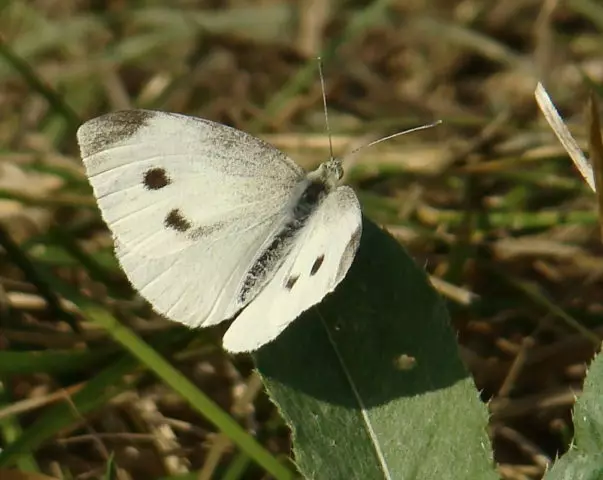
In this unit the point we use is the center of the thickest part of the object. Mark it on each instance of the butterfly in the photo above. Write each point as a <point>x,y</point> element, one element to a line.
<point>211,223</point>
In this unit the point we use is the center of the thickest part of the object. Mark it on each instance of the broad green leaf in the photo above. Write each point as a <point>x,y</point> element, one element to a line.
<point>371,383</point>
<point>585,460</point>
<point>577,466</point>
<point>588,411</point>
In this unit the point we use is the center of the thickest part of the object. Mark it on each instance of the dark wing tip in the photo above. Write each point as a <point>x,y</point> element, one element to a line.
<point>101,132</point>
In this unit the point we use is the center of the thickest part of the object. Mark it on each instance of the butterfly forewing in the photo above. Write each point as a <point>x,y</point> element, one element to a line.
<point>164,181</point>
<point>189,203</point>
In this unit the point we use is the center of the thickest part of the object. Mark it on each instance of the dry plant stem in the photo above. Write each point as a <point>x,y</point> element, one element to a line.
<point>95,474</point>
<point>120,474</point>
<point>35,303</point>
<point>576,372</point>
<point>57,200</point>
<point>471,40</point>
<point>543,34</point>
<point>116,90</point>
<point>513,248</point>
<point>51,340</point>
<point>562,347</point>
<point>529,448</point>
<point>568,343</point>
<point>5,304</point>
<point>487,133</point>
<point>595,144</point>
<point>519,472</point>
<point>187,427</point>
<point>219,447</point>
<point>20,259</point>
<point>516,367</point>
<point>507,347</point>
<point>10,284</point>
<point>29,269</point>
<point>50,95</point>
<point>124,437</point>
<point>30,404</point>
<point>314,16</point>
<point>563,134</point>
<point>455,293</point>
<point>307,142</point>
<point>505,408</point>
<point>533,293</point>
<point>164,438</point>
<point>56,470</point>
<point>222,443</point>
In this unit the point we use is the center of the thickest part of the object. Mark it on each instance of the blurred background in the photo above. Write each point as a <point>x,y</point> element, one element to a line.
<point>487,202</point>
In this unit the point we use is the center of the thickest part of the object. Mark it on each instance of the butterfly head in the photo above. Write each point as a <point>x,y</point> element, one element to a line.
<point>329,173</point>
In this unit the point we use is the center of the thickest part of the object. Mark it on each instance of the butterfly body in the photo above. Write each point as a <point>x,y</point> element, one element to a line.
<point>210,222</point>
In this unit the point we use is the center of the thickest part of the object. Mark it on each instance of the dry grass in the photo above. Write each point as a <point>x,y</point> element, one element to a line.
<point>488,201</point>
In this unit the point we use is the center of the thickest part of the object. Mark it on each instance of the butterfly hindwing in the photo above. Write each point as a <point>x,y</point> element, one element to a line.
<point>321,257</point>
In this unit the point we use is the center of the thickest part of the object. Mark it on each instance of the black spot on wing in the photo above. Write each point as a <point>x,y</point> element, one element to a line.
<point>177,221</point>
<point>102,132</point>
<point>156,179</point>
<point>291,281</point>
<point>317,264</point>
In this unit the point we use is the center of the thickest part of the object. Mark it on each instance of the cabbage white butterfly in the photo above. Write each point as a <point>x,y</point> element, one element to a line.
<point>211,223</point>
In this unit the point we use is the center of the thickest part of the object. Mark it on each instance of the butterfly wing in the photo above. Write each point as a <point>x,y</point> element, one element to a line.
<point>320,259</point>
<point>189,203</point>
<point>164,180</point>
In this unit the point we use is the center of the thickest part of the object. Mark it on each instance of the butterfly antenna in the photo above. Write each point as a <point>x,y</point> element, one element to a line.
<point>389,137</point>
<point>324,105</point>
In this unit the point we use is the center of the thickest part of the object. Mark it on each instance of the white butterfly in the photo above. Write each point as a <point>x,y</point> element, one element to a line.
<point>211,223</point>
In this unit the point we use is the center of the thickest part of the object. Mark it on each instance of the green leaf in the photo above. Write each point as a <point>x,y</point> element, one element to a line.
<point>577,466</point>
<point>585,460</point>
<point>588,411</point>
<point>370,381</point>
